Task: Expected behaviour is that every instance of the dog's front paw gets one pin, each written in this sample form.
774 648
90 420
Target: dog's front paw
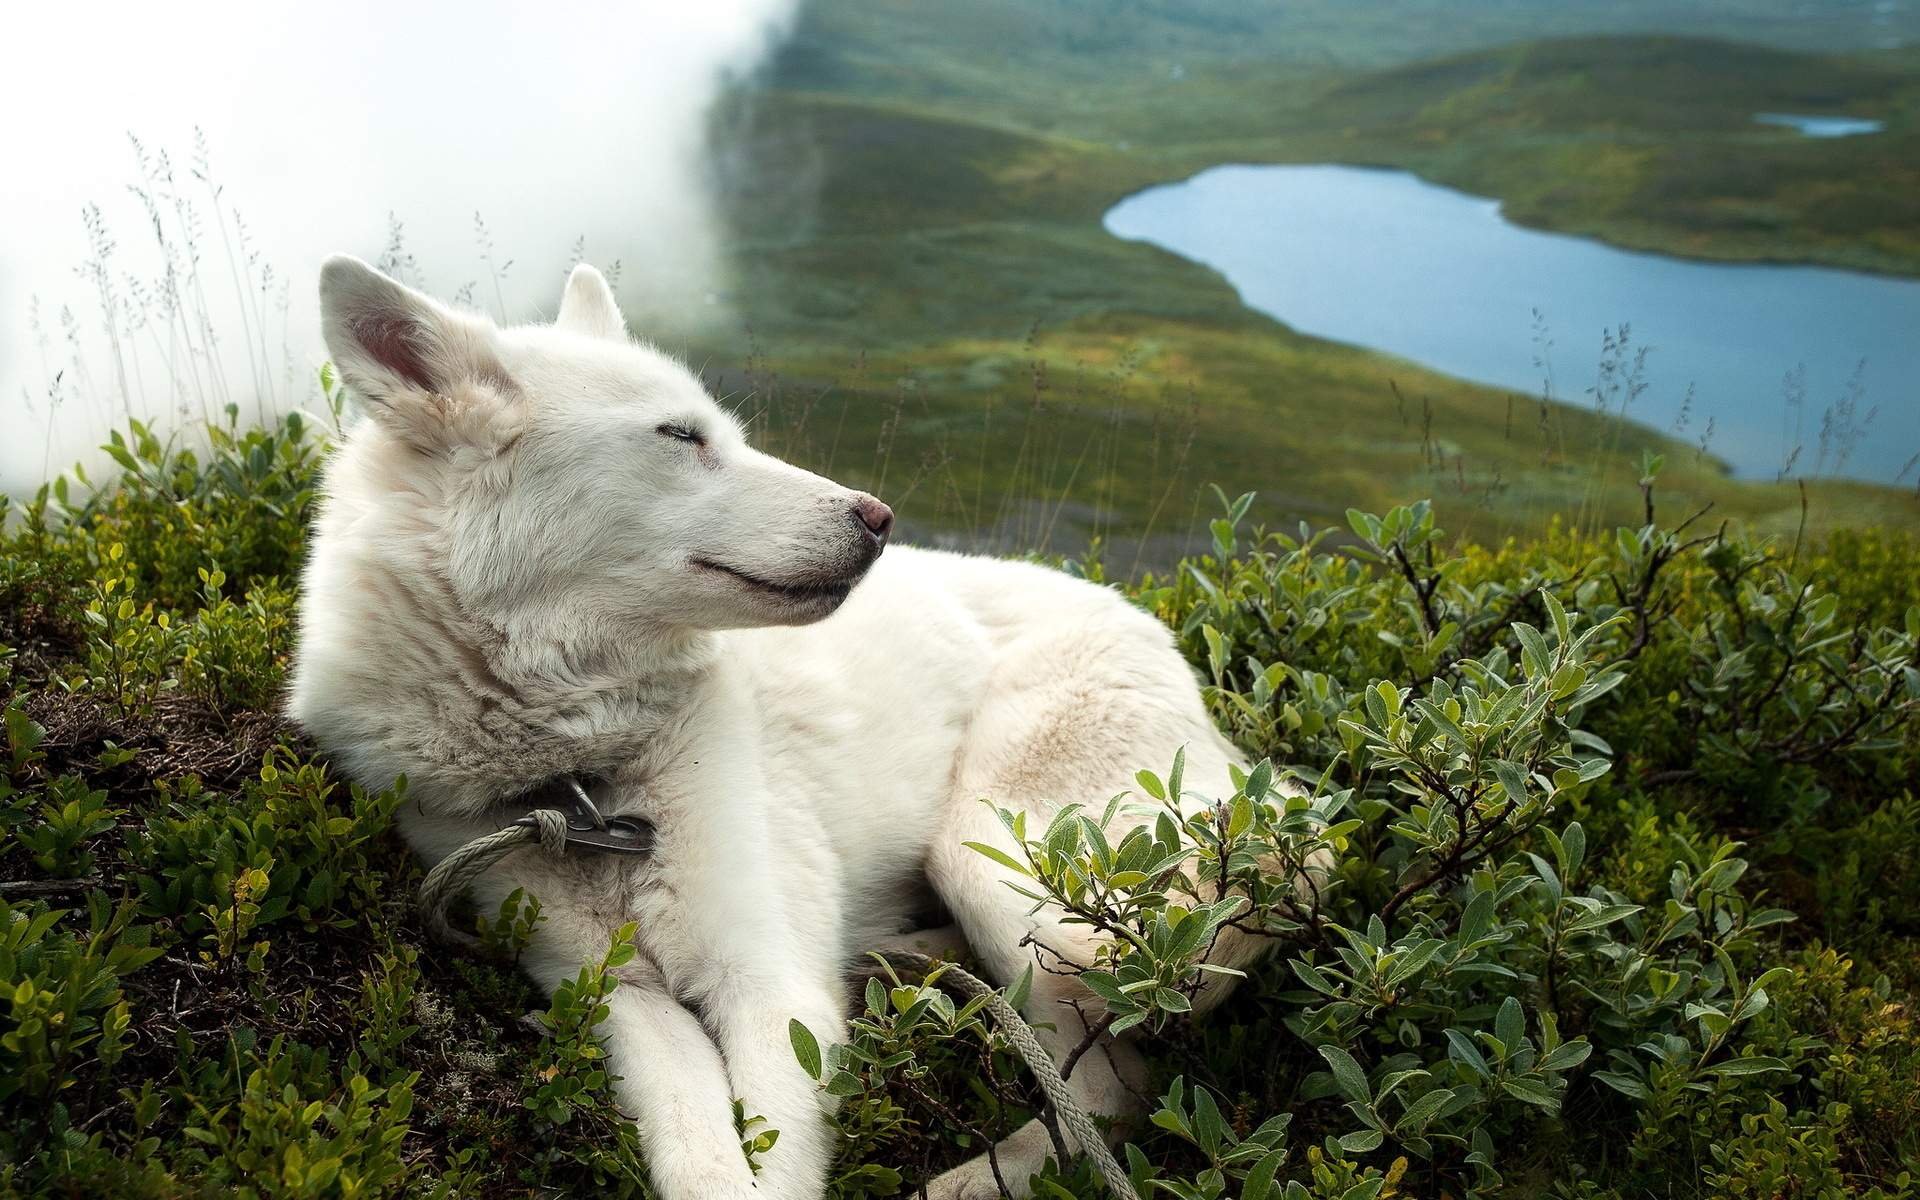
715 1184
971 1180
717 1188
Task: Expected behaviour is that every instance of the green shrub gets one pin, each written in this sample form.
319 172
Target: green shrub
287 840
569 1080
297 1133
67 1016
1611 843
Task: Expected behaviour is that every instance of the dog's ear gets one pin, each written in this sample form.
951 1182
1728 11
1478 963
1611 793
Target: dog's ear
587 306
432 376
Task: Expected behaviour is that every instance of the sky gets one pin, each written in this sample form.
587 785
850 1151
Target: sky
321 122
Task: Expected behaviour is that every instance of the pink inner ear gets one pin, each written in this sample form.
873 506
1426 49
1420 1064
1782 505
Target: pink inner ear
398 344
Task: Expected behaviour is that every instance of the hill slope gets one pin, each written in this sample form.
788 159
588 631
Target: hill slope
900 254
1644 142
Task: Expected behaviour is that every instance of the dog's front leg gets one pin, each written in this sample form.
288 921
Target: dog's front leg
673 1084
750 1018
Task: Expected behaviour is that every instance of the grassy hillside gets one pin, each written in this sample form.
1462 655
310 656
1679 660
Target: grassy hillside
1620 805
937 312
1644 142
1069 65
1641 136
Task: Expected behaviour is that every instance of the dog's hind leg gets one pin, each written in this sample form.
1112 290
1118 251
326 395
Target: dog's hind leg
1007 940
1072 715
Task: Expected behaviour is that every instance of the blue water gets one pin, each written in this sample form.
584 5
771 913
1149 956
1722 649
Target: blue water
1385 260
1822 127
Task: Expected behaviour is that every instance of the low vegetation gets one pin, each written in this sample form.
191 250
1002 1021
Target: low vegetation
1622 896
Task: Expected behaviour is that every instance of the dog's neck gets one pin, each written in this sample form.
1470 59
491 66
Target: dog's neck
571 656
497 705
593 697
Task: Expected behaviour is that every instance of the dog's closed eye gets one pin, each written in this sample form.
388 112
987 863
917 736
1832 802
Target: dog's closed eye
682 433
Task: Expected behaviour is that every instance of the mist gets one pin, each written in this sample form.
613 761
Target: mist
572 130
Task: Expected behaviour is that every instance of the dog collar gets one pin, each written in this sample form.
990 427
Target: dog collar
586 828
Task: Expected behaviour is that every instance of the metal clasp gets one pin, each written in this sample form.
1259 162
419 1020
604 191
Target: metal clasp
586 828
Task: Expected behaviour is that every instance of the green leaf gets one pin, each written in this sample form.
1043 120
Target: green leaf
1362 1141
1240 816
1532 1091
1625 1084
806 1048
1562 628
1547 875
1510 1025
1347 1073
1022 989
844 1084
1313 977
1209 1127
1259 1183
1421 1111
1415 960
1105 986
1477 921
1512 779
1734 1068
999 856
1573 843
1711 1019
1600 917
1534 656
1769 916
1259 780
1460 1047
1128 1022
1566 1056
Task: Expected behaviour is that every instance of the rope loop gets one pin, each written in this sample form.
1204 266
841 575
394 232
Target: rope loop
448 879
1027 1044
553 830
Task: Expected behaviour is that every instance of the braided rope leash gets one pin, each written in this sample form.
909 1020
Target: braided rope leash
449 878
1035 1055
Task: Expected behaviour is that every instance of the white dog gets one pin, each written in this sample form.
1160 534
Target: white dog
550 553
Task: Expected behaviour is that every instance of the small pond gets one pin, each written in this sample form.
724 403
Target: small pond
1822 127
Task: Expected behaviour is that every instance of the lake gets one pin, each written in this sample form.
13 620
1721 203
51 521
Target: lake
1385 260
1822 127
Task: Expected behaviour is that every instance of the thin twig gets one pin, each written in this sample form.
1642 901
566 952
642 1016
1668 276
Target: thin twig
34 888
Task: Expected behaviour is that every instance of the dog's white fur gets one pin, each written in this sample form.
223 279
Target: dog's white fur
522 568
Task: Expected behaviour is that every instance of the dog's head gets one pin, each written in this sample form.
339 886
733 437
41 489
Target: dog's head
568 468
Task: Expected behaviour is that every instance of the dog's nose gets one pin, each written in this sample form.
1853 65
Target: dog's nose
875 517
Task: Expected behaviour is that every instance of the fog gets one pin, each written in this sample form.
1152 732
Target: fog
569 128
